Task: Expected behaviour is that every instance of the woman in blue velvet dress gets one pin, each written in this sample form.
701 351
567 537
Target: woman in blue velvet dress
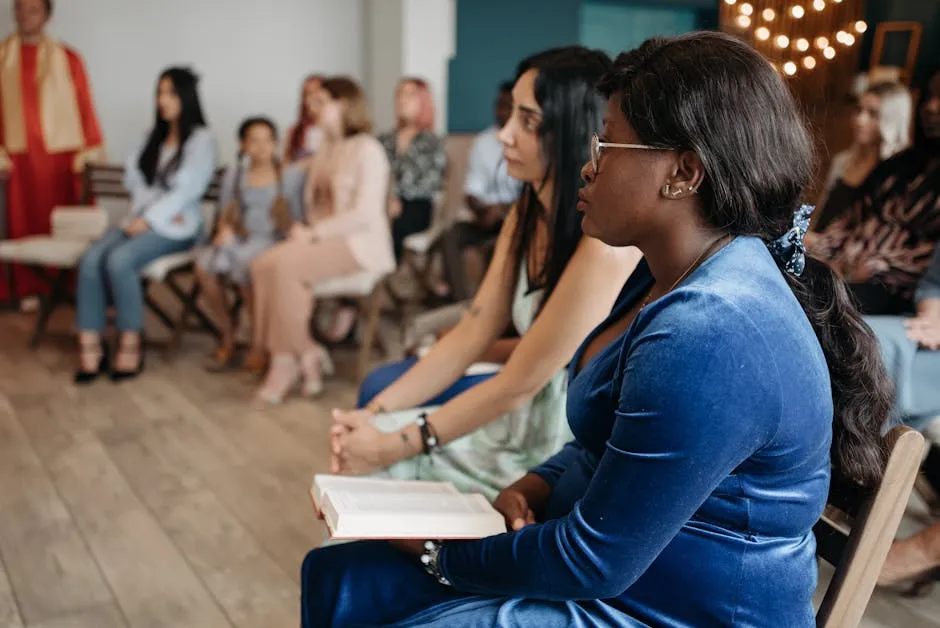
707 410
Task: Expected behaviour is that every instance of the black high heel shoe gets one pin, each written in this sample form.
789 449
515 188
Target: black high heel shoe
120 376
86 377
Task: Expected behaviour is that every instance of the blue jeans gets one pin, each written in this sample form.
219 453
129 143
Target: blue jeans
384 376
112 264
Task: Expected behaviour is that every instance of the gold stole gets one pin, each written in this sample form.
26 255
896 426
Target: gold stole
61 119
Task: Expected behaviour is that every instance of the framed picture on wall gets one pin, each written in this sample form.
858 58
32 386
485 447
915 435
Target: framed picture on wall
894 51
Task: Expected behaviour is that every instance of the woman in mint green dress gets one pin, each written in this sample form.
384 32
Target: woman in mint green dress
554 284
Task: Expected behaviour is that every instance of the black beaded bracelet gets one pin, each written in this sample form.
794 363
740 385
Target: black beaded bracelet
429 440
430 559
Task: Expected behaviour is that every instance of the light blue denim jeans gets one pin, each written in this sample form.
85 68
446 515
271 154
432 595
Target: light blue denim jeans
111 266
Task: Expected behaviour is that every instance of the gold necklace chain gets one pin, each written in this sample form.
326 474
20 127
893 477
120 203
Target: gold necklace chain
711 248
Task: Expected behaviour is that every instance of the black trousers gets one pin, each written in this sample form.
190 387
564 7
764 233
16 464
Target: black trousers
873 299
415 217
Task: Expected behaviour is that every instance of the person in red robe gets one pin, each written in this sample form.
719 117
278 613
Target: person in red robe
48 129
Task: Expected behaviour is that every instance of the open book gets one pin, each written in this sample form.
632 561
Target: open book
364 508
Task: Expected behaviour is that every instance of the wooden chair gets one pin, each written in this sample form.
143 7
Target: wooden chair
53 257
421 248
857 529
448 207
365 290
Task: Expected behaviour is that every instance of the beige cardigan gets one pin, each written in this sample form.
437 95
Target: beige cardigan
358 212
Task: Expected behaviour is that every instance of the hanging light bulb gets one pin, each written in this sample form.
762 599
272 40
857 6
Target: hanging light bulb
802 44
782 41
822 43
861 27
797 11
762 33
819 5
746 9
849 39
789 68
809 62
769 15
743 21
829 52
840 37
730 2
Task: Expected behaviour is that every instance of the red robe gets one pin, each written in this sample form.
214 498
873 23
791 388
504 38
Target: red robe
40 181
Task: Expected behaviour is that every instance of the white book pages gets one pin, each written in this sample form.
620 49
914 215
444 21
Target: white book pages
324 484
410 516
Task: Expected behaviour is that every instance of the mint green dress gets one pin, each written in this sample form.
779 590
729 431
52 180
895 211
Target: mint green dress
502 451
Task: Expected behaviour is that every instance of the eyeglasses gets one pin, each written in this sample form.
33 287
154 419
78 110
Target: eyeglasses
597 146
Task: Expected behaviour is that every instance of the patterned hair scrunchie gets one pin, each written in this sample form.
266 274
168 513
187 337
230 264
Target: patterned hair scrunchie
789 248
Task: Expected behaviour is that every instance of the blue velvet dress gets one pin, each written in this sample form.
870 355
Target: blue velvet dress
699 466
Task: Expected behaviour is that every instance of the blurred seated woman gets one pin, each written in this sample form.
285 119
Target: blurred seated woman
881 128
260 201
417 159
883 243
553 284
909 348
305 136
345 231
166 178
731 378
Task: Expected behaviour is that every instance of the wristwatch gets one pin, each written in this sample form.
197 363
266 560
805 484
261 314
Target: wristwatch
430 558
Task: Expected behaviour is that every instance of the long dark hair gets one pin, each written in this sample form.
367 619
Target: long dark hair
712 94
571 111
923 145
191 118
232 214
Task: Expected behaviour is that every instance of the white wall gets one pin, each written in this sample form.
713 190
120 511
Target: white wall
430 40
251 55
408 38
383 41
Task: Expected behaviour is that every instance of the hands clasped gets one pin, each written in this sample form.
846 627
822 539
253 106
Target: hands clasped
357 447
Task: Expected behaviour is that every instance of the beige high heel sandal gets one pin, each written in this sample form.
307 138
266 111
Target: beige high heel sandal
270 395
315 359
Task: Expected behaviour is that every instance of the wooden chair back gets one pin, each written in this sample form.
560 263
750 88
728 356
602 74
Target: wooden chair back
107 181
457 146
858 527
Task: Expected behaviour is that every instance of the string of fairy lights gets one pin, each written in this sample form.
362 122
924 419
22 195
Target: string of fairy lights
824 44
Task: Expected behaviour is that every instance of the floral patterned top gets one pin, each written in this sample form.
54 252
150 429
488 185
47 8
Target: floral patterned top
419 171
894 225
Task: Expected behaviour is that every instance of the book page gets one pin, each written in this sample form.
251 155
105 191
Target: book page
383 504
483 368
410 516
329 484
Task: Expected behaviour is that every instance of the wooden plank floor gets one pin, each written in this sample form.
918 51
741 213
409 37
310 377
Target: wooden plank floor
171 501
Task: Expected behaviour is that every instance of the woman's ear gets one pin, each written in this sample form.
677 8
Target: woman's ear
687 177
